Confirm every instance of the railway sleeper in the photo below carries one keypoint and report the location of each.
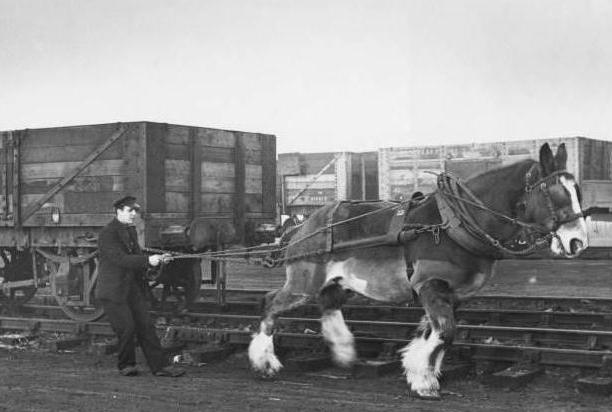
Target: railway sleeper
(519, 374)
(599, 383)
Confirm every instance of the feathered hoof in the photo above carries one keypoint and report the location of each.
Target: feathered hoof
(345, 358)
(426, 394)
(265, 375)
(268, 370)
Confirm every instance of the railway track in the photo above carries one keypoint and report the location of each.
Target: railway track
(559, 331)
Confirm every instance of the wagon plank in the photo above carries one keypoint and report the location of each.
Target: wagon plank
(74, 153)
(61, 169)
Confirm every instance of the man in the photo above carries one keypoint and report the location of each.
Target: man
(121, 291)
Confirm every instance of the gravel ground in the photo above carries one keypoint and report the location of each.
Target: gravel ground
(38, 380)
(77, 381)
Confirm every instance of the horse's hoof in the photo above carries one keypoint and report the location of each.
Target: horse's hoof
(263, 375)
(426, 394)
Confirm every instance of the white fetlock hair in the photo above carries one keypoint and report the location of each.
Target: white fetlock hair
(340, 338)
(420, 375)
(261, 354)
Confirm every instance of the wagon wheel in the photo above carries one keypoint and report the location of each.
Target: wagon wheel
(73, 280)
(16, 266)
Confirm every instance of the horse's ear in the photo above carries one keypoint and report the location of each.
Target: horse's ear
(546, 159)
(561, 157)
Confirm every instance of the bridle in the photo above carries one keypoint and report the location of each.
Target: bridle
(458, 196)
(543, 185)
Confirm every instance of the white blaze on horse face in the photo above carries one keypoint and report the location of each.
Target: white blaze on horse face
(575, 230)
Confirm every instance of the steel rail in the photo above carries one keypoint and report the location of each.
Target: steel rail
(549, 337)
(589, 355)
(568, 338)
(206, 291)
(491, 316)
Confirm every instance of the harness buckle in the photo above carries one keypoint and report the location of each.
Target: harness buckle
(435, 232)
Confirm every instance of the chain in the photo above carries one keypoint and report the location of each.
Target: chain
(239, 255)
(242, 255)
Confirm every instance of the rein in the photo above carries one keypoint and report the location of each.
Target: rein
(454, 199)
(238, 255)
(454, 196)
(542, 185)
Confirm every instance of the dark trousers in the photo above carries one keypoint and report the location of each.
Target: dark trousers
(131, 322)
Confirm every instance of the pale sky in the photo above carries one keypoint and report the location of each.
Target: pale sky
(322, 75)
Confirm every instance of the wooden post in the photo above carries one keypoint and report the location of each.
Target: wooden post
(5, 191)
(239, 187)
(16, 179)
(268, 175)
(221, 282)
(363, 178)
(283, 199)
(196, 173)
(34, 267)
(221, 275)
(86, 283)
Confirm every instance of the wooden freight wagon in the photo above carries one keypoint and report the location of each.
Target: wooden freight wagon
(403, 170)
(307, 181)
(58, 186)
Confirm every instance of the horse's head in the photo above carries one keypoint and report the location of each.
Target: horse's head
(552, 200)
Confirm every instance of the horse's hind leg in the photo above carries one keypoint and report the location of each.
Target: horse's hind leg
(261, 349)
(422, 357)
(333, 327)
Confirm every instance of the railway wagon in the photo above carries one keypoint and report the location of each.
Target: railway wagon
(58, 185)
(307, 181)
(403, 170)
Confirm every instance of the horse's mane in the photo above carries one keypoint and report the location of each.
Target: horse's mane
(501, 187)
(514, 172)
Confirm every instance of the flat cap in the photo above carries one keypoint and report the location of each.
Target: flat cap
(126, 201)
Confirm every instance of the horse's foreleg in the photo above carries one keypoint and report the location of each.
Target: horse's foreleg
(422, 358)
(261, 349)
(333, 327)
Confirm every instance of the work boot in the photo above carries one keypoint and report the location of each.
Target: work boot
(129, 371)
(170, 372)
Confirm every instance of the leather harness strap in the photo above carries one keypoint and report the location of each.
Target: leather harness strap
(456, 230)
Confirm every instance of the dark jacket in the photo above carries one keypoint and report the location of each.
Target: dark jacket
(122, 263)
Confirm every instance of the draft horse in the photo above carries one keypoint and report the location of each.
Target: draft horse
(463, 233)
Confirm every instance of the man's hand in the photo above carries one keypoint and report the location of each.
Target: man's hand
(155, 260)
